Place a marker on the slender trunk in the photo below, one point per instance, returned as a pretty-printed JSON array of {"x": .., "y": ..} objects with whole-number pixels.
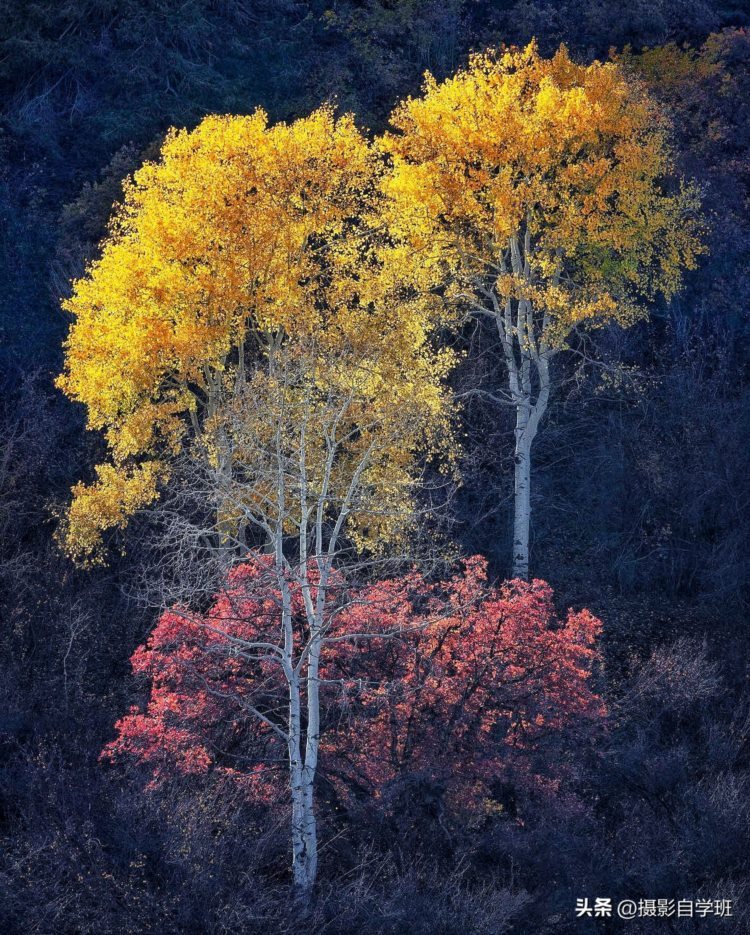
[
  {"x": 524, "y": 335},
  {"x": 312, "y": 744},
  {"x": 302, "y": 774},
  {"x": 224, "y": 523},
  {"x": 309, "y": 833},
  {"x": 528, "y": 417},
  {"x": 304, "y": 835},
  {"x": 522, "y": 493}
]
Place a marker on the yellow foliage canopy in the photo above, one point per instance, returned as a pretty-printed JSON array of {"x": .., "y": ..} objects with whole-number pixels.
[
  {"x": 541, "y": 180},
  {"x": 240, "y": 240}
]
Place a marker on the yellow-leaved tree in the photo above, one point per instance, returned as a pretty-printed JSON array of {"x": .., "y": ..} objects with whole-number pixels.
[
  {"x": 540, "y": 193},
  {"x": 240, "y": 319},
  {"x": 241, "y": 244}
]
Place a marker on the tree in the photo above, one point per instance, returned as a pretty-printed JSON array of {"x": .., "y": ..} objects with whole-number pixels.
[
  {"x": 321, "y": 467},
  {"x": 239, "y": 321},
  {"x": 535, "y": 193},
  {"x": 455, "y": 682}
]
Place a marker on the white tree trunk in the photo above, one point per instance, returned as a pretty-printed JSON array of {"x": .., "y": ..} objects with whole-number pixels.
[
  {"x": 524, "y": 337},
  {"x": 299, "y": 863},
  {"x": 312, "y": 745},
  {"x": 528, "y": 417},
  {"x": 522, "y": 495},
  {"x": 304, "y": 834}
]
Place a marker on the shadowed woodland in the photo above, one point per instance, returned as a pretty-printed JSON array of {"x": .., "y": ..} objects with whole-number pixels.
[{"x": 501, "y": 729}]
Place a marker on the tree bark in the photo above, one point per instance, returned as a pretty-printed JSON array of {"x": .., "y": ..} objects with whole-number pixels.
[
  {"x": 522, "y": 494},
  {"x": 312, "y": 745},
  {"x": 528, "y": 417},
  {"x": 296, "y": 779}
]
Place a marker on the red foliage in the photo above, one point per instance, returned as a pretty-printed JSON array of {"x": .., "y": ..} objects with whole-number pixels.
[
  {"x": 479, "y": 676},
  {"x": 454, "y": 681},
  {"x": 201, "y": 681}
]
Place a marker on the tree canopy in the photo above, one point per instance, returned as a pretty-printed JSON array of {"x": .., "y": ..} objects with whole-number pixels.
[
  {"x": 242, "y": 239},
  {"x": 542, "y": 180},
  {"x": 454, "y": 683}
]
